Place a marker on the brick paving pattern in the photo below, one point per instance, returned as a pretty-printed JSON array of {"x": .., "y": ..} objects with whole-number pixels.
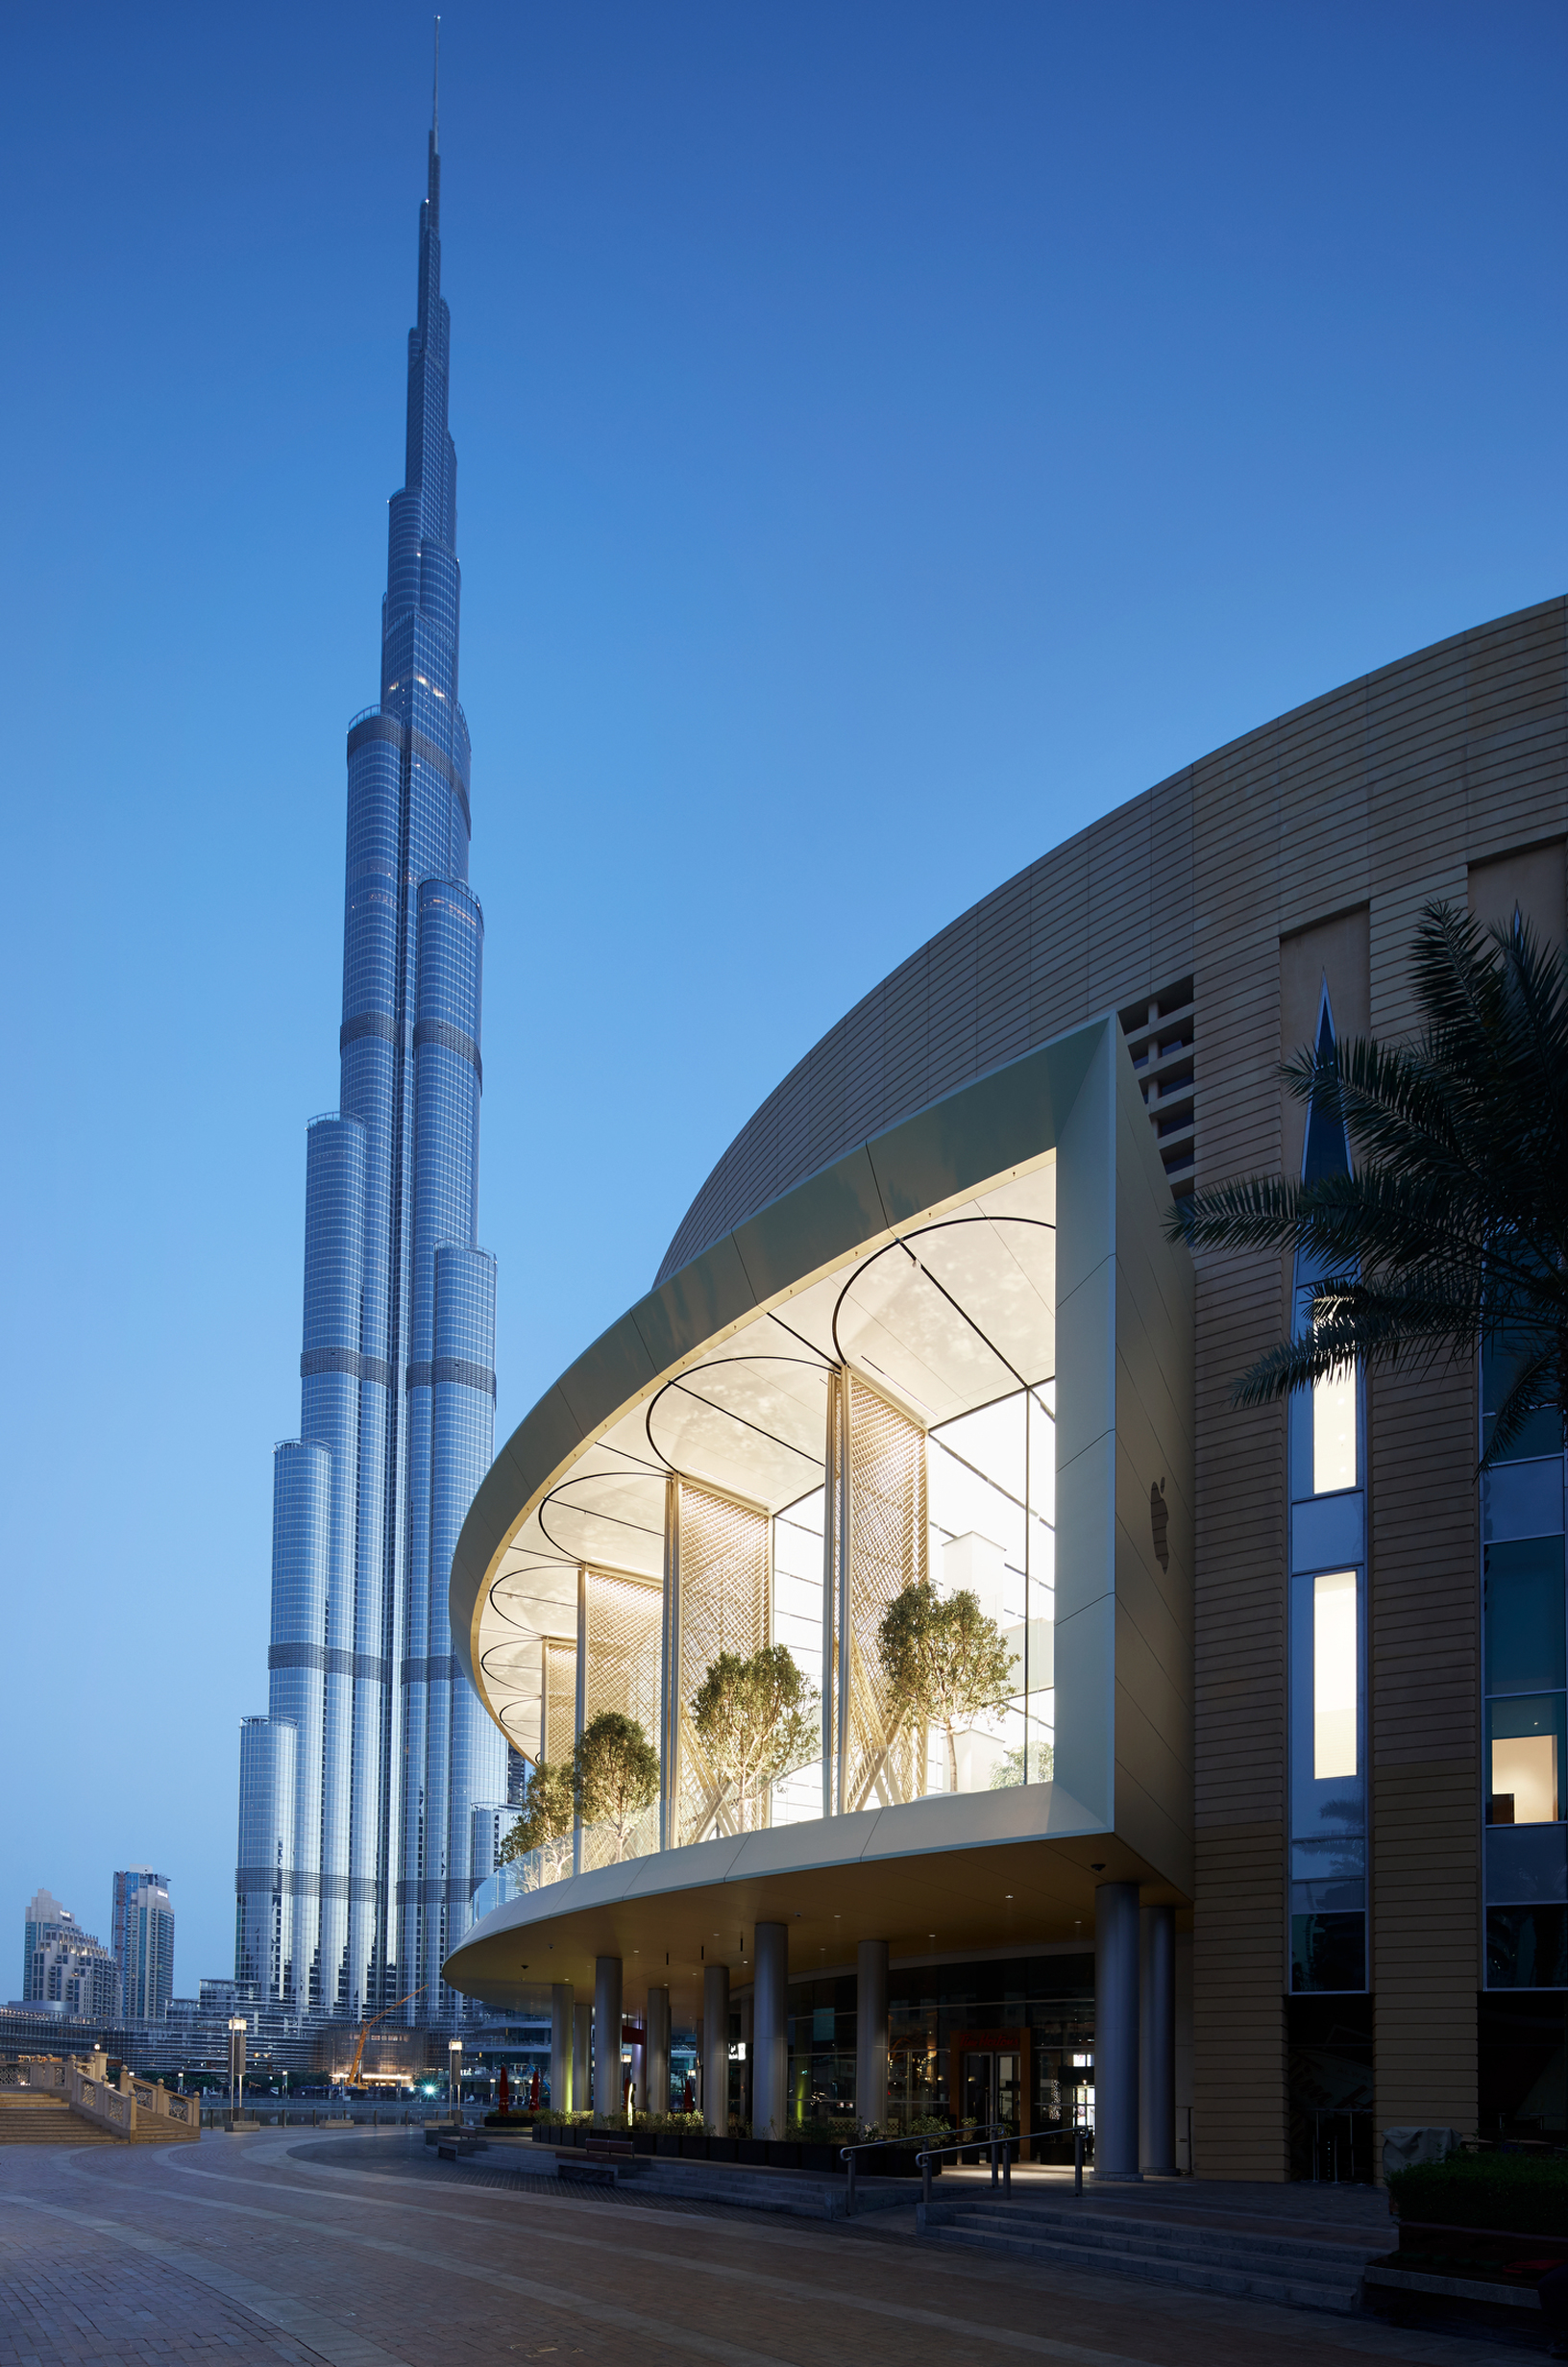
[{"x": 362, "y": 2253}]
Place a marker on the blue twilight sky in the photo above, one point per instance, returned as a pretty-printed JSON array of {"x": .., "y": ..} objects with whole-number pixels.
[{"x": 891, "y": 432}]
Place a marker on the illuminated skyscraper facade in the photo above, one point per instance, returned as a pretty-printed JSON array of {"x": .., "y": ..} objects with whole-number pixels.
[{"x": 372, "y": 1779}]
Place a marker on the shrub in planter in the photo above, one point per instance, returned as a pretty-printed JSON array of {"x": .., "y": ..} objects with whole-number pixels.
[{"x": 1520, "y": 2192}]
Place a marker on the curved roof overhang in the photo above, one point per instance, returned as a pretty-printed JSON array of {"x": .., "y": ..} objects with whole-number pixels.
[{"x": 721, "y": 1372}]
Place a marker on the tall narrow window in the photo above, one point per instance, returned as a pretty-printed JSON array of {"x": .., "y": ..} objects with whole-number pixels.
[
  {"x": 1334, "y": 1433},
  {"x": 1327, "y": 1659},
  {"x": 1335, "y": 1690}
]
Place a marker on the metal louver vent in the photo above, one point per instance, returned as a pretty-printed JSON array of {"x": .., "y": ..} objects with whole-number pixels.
[{"x": 1161, "y": 1030}]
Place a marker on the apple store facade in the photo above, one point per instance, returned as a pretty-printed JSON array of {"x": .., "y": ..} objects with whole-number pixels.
[{"x": 1224, "y": 1818}]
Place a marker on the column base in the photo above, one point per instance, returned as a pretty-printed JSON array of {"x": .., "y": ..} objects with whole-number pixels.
[{"x": 1118, "y": 2177}]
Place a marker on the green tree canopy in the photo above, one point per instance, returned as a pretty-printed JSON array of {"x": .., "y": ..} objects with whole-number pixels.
[
  {"x": 757, "y": 1720},
  {"x": 943, "y": 1659},
  {"x": 616, "y": 1774},
  {"x": 1451, "y": 1231},
  {"x": 549, "y": 1811}
]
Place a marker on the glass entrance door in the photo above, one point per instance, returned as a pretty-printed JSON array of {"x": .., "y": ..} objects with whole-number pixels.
[
  {"x": 994, "y": 2088},
  {"x": 979, "y": 2078}
]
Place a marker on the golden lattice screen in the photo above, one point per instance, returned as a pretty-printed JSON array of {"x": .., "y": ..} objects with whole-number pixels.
[
  {"x": 723, "y": 1603},
  {"x": 886, "y": 1522},
  {"x": 558, "y": 1698},
  {"x": 623, "y": 1618}
]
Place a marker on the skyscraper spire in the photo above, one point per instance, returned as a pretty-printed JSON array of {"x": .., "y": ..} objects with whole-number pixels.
[{"x": 371, "y": 1790}]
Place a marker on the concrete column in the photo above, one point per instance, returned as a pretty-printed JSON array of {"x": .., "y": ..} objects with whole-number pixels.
[
  {"x": 656, "y": 2015},
  {"x": 769, "y": 2045},
  {"x": 561, "y": 2046},
  {"x": 872, "y": 2031},
  {"x": 607, "y": 2101},
  {"x": 716, "y": 2046},
  {"x": 1156, "y": 2042},
  {"x": 582, "y": 2022},
  {"x": 1115, "y": 2031}
]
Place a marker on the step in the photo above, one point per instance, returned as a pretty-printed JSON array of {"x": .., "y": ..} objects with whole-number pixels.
[
  {"x": 1118, "y": 2231},
  {"x": 1341, "y": 2297}
]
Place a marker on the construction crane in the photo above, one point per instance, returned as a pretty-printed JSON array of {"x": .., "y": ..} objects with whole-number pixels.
[{"x": 366, "y": 2028}]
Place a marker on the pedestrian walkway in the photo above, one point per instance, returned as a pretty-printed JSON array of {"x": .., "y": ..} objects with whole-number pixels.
[{"x": 360, "y": 2251}]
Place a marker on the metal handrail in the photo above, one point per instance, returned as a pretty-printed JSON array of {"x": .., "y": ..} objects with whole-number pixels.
[
  {"x": 979, "y": 2133},
  {"x": 1002, "y": 2141}
]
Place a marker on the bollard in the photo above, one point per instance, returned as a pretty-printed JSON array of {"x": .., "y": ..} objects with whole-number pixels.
[
  {"x": 994, "y": 2161},
  {"x": 850, "y": 2197},
  {"x": 1077, "y": 2162},
  {"x": 1007, "y": 2166},
  {"x": 925, "y": 2178}
]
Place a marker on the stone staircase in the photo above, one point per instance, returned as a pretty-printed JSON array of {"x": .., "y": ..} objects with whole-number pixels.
[
  {"x": 1207, "y": 2253},
  {"x": 47, "y": 2119}
]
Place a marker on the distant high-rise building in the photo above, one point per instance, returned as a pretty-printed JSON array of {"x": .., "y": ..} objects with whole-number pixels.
[
  {"x": 66, "y": 1966},
  {"x": 45, "y": 1917},
  {"x": 359, "y": 1786},
  {"x": 143, "y": 1935}
]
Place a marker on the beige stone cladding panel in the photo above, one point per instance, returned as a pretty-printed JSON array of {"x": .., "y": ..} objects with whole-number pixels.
[
  {"x": 1530, "y": 882},
  {"x": 1518, "y": 729},
  {"x": 1238, "y": 1923},
  {"x": 1424, "y": 1633}
]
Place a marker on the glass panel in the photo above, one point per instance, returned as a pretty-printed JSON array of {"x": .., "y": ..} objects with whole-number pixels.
[
  {"x": 976, "y": 2089},
  {"x": 1334, "y": 1433},
  {"x": 1009, "y": 2090},
  {"x": 1542, "y": 1432},
  {"x": 1328, "y": 1951},
  {"x": 1330, "y": 1804},
  {"x": 1527, "y": 1947},
  {"x": 1525, "y": 1759},
  {"x": 1525, "y": 1616},
  {"x": 1334, "y": 1685}
]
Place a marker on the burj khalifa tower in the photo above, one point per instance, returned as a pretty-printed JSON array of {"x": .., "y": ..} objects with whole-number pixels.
[{"x": 371, "y": 1792}]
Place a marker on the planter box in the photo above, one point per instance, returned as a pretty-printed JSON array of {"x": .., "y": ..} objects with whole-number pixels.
[
  {"x": 721, "y": 2149},
  {"x": 644, "y": 2141},
  {"x": 693, "y": 2149},
  {"x": 753, "y": 2150},
  {"x": 785, "y": 2155},
  {"x": 543, "y": 2134},
  {"x": 669, "y": 2144},
  {"x": 825, "y": 2159}
]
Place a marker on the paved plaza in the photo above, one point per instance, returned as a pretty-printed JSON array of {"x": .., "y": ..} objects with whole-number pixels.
[{"x": 364, "y": 2251}]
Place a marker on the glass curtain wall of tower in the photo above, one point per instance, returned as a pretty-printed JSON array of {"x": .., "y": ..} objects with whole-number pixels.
[{"x": 359, "y": 1786}]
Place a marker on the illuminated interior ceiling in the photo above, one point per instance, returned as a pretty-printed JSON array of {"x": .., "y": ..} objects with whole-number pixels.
[{"x": 951, "y": 1311}]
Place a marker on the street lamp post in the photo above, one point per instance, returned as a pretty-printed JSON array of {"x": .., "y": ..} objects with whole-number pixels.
[
  {"x": 237, "y": 2062},
  {"x": 454, "y": 2077}
]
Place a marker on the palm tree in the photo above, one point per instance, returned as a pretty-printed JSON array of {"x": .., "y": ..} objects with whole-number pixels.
[{"x": 1450, "y": 1232}]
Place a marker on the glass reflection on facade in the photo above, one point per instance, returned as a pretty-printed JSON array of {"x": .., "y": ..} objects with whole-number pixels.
[
  {"x": 1010, "y": 2038},
  {"x": 366, "y": 1790},
  {"x": 1525, "y": 1660}
]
